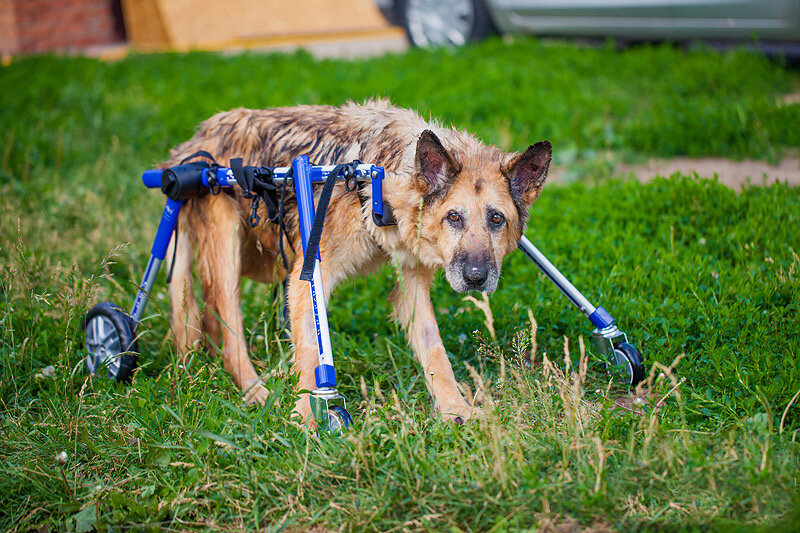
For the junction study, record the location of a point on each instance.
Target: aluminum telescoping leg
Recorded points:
(606, 334)
(325, 372)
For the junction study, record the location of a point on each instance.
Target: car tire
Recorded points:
(444, 22)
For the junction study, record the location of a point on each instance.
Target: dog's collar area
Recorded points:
(386, 218)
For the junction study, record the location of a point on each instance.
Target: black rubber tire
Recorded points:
(339, 418)
(482, 25)
(123, 325)
(634, 360)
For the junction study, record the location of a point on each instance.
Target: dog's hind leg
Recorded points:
(185, 314)
(212, 331)
(413, 309)
(219, 260)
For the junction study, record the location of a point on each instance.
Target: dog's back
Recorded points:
(374, 131)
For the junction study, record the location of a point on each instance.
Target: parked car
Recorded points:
(456, 22)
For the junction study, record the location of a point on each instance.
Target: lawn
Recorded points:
(706, 281)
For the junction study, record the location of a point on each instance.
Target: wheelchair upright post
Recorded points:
(169, 218)
(325, 373)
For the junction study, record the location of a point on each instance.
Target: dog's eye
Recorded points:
(453, 217)
(497, 218)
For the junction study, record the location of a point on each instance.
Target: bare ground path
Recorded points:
(734, 174)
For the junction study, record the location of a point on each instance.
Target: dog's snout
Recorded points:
(475, 273)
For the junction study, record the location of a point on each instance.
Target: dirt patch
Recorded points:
(789, 99)
(734, 174)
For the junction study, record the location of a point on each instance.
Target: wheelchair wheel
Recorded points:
(628, 357)
(110, 341)
(338, 418)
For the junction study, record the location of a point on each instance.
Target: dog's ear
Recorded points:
(436, 167)
(526, 173)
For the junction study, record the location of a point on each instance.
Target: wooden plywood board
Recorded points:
(202, 22)
(143, 23)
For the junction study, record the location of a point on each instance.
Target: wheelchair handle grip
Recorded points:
(152, 178)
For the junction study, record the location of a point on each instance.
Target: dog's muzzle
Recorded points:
(475, 275)
(472, 273)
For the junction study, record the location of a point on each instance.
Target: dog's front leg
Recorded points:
(304, 333)
(413, 309)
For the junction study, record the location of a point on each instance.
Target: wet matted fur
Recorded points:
(460, 205)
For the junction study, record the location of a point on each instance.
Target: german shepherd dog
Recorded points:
(460, 205)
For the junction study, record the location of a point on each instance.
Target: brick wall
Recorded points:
(45, 25)
(8, 27)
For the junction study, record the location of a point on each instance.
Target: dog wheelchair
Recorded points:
(111, 340)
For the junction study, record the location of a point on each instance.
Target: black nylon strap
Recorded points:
(199, 153)
(270, 197)
(319, 219)
(282, 224)
(241, 177)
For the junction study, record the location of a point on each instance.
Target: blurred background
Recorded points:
(366, 27)
(459, 21)
(112, 27)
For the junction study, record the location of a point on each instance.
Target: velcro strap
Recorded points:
(270, 197)
(241, 177)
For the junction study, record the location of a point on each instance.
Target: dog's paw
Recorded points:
(302, 413)
(459, 414)
(257, 393)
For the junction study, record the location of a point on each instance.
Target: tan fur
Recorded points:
(428, 177)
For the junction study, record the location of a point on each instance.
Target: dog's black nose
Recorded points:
(475, 274)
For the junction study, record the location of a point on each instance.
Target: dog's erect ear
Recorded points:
(526, 173)
(436, 166)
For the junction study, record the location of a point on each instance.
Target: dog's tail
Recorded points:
(186, 325)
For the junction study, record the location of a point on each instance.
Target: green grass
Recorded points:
(695, 273)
